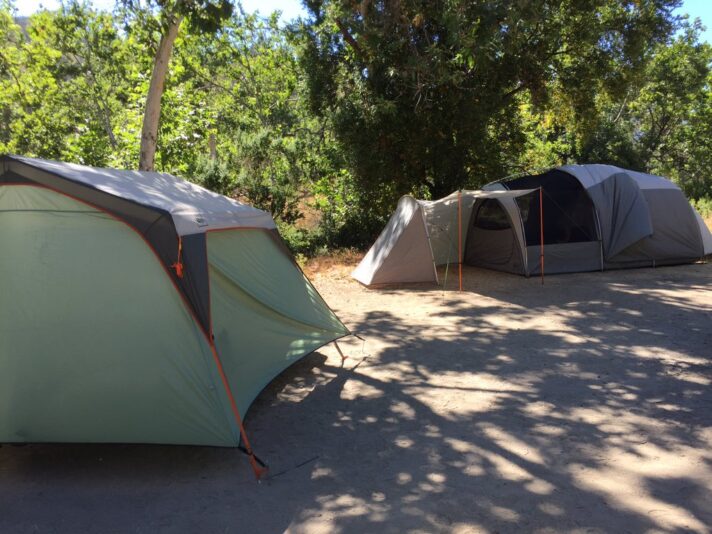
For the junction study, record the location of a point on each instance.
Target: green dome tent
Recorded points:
(140, 308)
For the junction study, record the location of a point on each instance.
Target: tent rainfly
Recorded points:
(140, 308)
(588, 217)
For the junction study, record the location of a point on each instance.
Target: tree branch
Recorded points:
(349, 38)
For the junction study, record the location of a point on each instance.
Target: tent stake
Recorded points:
(343, 358)
(541, 233)
(459, 234)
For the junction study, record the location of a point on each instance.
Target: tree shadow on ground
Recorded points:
(585, 424)
(506, 409)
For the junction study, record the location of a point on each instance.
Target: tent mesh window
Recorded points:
(491, 216)
(492, 242)
(569, 215)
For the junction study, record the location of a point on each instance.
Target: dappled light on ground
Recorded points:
(580, 406)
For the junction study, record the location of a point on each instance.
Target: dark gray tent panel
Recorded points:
(623, 213)
(677, 237)
(571, 237)
(667, 228)
(569, 215)
(593, 217)
(565, 258)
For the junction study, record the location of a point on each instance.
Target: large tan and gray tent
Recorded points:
(594, 217)
(138, 307)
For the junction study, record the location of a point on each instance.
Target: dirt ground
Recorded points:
(584, 405)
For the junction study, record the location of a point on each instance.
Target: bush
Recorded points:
(303, 242)
(214, 175)
(703, 206)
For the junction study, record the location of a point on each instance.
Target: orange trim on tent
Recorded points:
(178, 265)
(256, 467)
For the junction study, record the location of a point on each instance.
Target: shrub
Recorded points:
(703, 206)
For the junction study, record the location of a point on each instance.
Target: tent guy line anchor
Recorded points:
(297, 466)
(343, 356)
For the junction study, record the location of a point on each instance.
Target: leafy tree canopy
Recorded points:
(361, 102)
(430, 96)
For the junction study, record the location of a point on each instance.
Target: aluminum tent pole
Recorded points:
(459, 234)
(541, 233)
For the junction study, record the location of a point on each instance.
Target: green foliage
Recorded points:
(660, 124)
(268, 176)
(344, 222)
(252, 102)
(363, 102)
(75, 87)
(303, 242)
(703, 206)
(429, 96)
(214, 175)
(203, 16)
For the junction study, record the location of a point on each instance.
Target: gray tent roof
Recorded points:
(593, 174)
(621, 198)
(596, 178)
(194, 209)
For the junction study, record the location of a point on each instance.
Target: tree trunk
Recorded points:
(152, 114)
(213, 147)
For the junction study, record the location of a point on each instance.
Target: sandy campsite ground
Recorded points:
(581, 406)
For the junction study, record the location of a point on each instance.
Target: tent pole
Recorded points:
(343, 358)
(258, 466)
(541, 233)
(459, 234)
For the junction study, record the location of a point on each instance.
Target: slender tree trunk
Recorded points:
(213, 147)
(106, 120)
(152, 115)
